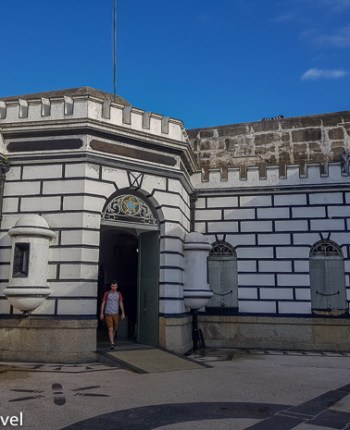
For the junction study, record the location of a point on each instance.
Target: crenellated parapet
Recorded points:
(280, 144)
(87, 104)
(330, 173)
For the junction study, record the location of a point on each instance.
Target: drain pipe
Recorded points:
(193, 199)
(4, 167)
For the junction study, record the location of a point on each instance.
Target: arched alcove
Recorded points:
(327, 279)
(223, 278)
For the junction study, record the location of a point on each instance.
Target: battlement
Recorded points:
(272, 176)
(280, 142)
(87, 103)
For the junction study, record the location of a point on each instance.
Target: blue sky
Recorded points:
(206, 62)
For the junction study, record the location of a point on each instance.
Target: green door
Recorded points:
(148, 285)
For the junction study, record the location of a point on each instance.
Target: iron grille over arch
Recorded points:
(222, 249)
(325, 248)
(129, 208)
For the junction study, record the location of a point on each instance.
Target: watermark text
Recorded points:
(11, 420)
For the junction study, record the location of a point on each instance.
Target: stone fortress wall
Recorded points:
(280, 142)
(271, 190)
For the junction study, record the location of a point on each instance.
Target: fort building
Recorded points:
(251, 218)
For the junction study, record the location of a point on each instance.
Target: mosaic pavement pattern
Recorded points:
(62, 368)
(330, 410)
(316, 413)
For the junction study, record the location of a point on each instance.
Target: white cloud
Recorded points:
(313, 74)
(281, 19)
(336, 4)
(337, 39)
(340, 38)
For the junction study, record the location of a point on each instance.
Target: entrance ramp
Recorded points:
(151, 360)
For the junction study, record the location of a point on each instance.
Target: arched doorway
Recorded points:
(129, 253)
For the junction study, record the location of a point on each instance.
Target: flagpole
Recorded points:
(115, 49)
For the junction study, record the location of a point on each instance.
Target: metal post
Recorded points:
(194, 329)
(197, 335)
(115, 49)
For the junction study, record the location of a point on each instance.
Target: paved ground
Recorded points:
(259, 390)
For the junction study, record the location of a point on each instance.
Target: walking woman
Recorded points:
(111, 302)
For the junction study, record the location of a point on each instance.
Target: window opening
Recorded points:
(21, 260)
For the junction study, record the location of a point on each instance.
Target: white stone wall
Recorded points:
(175, 204)
(47, 140)
(71, 197)
(272, 230)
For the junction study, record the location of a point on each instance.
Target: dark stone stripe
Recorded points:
(317, 405)
(44, 145)
(277, 423)
(332, 419)
(132, 153)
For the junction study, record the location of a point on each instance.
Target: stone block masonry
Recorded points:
(72, 204)
(280, 142)
(273, 268)
(71, 152)
(283, 187)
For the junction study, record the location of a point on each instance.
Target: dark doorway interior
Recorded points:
(119, 260)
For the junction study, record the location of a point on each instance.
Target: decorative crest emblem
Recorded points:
(130, 208)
